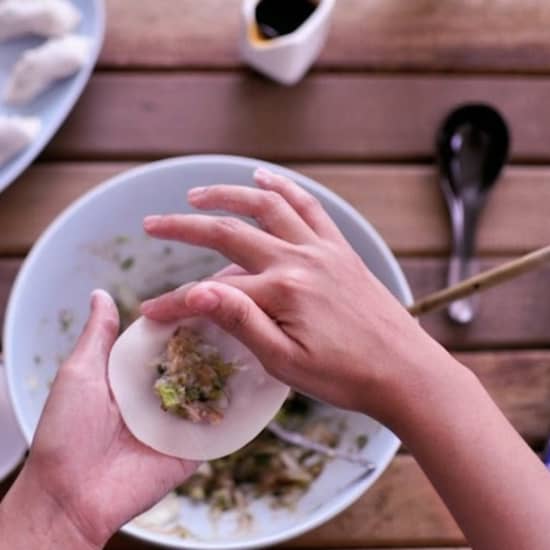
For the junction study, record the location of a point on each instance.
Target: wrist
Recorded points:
(32, 518)
(432, 394)
(415, 380)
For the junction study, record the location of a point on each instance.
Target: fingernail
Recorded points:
(99, 294)
(263, 176)
(202, 300)
(196, 192)
(151, 221)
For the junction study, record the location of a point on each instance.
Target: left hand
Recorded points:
(84, 464)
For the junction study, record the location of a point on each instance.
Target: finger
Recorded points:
(238, 314)
(99, 334)
(268, 208)
(172, 305)
(304, 203)
(231, 269)
(243, 244)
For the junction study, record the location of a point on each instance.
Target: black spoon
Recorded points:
(472, 148)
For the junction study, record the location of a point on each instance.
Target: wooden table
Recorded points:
(170, 82)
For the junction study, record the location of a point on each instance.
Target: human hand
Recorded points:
(85, 471)
(303, 301)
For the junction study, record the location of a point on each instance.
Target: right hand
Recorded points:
(303, 301)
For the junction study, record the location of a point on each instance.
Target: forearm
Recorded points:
(29, 518)
(495, 486)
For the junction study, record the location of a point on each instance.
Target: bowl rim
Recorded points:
(348, 495)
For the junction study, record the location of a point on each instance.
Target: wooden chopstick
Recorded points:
(483, 281)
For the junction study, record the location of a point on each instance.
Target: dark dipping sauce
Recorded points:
(279, 17)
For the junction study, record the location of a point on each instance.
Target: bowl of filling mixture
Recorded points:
(290, 477)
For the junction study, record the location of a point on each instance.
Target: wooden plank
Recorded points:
(403, 203)
(401, 509)
(8, 272)
(518, 381)
(516, 314)
(495, 35)
(326, 117)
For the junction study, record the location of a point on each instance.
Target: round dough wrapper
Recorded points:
(255, 396)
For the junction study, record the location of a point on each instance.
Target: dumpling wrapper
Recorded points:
(255, 396)
(39, 68)
(46, 18)
(16, 133)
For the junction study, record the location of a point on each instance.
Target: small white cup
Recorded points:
(287, 58)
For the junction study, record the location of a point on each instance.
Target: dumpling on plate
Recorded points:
(16, 133)
(39, 68)
(188, 389)
(47, 18)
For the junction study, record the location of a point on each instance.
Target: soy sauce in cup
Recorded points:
(279, 17)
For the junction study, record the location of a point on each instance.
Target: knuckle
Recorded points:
(270, 208)
(307, 204)
(236, 318)
(223, 227)
(291, 282)
(312, 256)
(271, 200)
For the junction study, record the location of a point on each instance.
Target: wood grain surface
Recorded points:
(403, 202)
(326, 117)
(382, 35)
(170, 82)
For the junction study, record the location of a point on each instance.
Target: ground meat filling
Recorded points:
(192, 378)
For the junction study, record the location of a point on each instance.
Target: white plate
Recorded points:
(53, 106)
(86, 247)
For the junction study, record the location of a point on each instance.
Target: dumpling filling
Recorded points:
(192, 378)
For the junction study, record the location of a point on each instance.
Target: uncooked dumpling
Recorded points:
(47, 18)
(254, 396)
(16, 133)
(39, 68)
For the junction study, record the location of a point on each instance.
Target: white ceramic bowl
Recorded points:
(90, 245)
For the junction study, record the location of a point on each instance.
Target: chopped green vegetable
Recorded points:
(122, 239)
(198, 375)
(361, 441)
(265, 467)
(169, 395)
(127, 263)
(66, 319)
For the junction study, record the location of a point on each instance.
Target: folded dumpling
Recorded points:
(38, 68)
(47, 18)
(16, 133)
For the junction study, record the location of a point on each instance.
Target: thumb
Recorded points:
(101, 330)
(236, 313)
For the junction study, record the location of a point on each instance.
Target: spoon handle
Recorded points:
(460, 269)
(463, 265)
